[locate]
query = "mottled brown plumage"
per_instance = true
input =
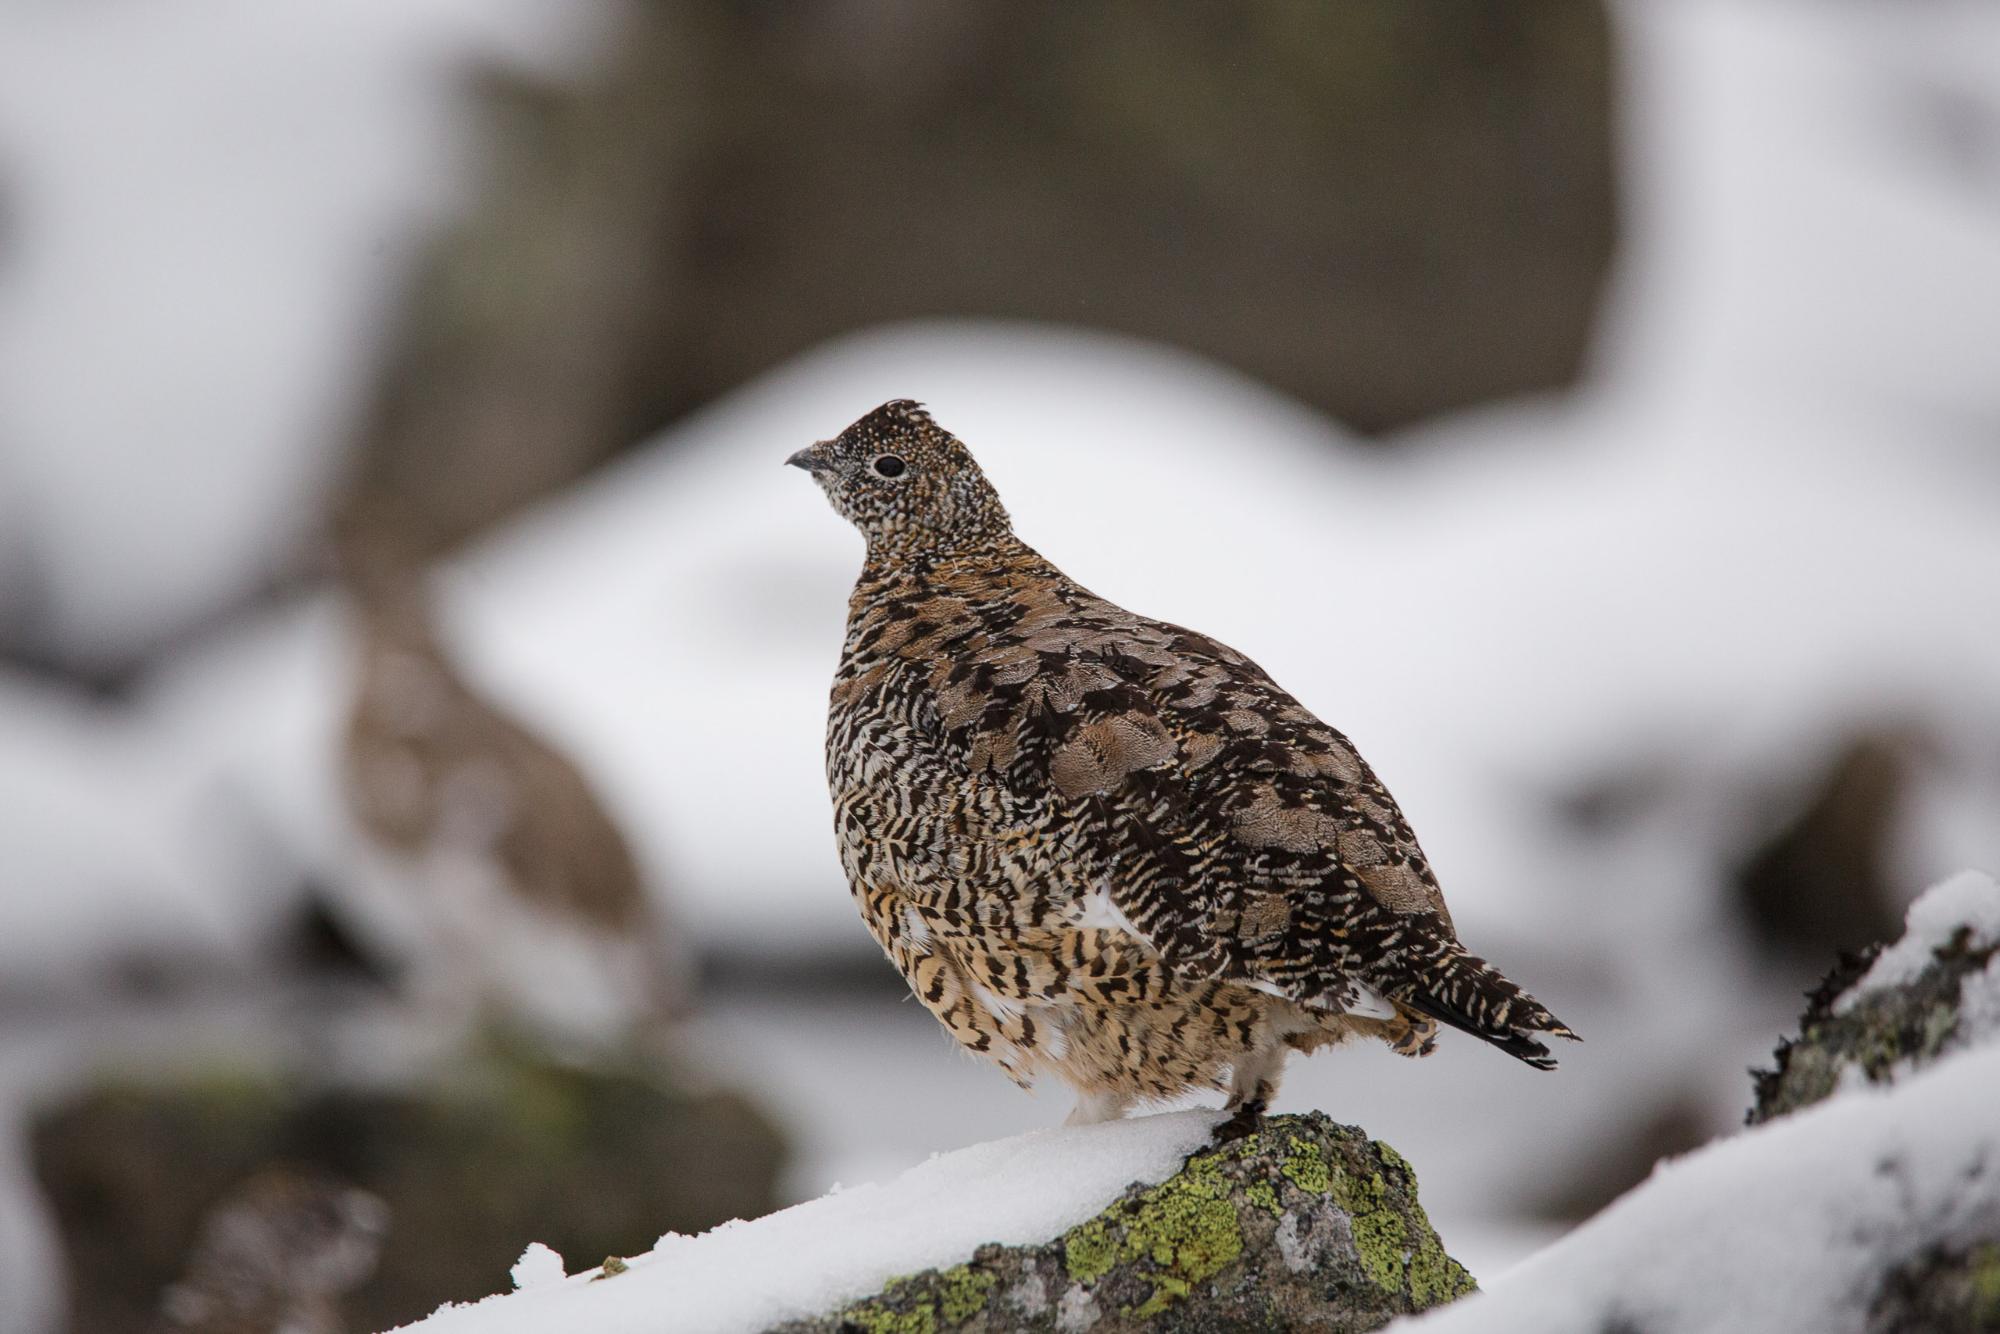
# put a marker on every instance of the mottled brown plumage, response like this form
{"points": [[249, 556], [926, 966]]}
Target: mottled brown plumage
{"points": [[1100, 846]]}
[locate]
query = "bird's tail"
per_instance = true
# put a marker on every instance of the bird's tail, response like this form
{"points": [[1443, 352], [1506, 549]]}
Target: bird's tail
{"points": [[1463, 990]]}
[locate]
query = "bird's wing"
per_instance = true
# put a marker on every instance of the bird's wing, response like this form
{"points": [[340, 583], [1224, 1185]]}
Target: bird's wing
{"points": [[1211, 788], [1239, 834]]}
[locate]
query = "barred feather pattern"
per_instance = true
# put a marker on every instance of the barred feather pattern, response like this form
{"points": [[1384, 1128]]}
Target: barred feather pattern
{"points": [[1103, 847]]}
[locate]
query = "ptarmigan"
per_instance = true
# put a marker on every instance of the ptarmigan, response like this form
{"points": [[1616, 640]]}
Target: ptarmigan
{"points": [[1102, 847], [486, 866], [276, 1255]]}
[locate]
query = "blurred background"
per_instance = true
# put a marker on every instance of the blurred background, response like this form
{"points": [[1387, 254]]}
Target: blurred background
{"points": [[413, 658]]}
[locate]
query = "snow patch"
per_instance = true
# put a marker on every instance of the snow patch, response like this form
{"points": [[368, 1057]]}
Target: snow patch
{"points": [[537, 1266], [1969, 901]]}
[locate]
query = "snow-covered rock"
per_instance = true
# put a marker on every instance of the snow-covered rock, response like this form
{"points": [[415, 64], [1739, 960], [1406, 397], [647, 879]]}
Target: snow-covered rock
{"points": [[1865, 1200], [1791, 1227], [1889, 1011], [1091, 1228], [816, 1256]]}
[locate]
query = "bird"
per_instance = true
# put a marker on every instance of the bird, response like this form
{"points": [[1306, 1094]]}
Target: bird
{"points": [[484, 864], [1104, 848], [275, 1255]]}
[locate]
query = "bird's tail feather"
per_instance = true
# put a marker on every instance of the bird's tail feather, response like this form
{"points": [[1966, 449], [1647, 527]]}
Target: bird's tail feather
{"points": [[1463, 990]]}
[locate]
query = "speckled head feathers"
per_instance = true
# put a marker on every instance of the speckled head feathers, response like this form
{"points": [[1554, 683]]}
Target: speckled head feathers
{"points": [[905, 482]]}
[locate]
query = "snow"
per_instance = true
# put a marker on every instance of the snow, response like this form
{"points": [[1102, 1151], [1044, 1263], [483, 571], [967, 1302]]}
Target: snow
{"points": [[1968, 901], [1809, 213], [1787, 1227], [210, 208], [538, 1267], [86, 839], [814, 1257]]}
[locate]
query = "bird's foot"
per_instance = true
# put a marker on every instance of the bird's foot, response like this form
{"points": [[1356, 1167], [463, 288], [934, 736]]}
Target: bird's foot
{"points": [[1246, 1120]]}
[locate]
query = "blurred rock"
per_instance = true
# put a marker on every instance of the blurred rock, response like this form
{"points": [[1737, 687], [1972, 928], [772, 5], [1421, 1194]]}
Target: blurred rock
{"points": [[1308, 1224], [1821, 884], [1386, 210], [471, 1166]]}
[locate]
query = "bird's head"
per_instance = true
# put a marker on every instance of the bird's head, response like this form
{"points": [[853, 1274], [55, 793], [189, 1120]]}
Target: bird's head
{"points": [[905, 482]]}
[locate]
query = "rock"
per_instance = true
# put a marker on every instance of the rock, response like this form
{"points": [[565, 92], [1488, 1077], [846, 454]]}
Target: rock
{"points": [[473, 1165], [1386, 210], [1943, 1292], [1858, 1025], [1307, 1224], [1822, 881], [1879, 1020]]}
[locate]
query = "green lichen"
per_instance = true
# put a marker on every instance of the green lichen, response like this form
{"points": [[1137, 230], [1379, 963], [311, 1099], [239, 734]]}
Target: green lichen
{"points": [[1265, 1196], [1089, 1251], [924, 1303], [1434, 1276], [1381, 1237], [1305, 1167], [962, 1291], [875, 1318], [1180, 1232], [1383, 1242], [1984, 1264], [1355, 1194]]}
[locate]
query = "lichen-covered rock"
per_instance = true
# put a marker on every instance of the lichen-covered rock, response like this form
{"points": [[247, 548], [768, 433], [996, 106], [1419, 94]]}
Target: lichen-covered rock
{"points": [[1307, 1224], [1878, 1016], [1944, 1292], [1874, 1019], [475, 1162]]}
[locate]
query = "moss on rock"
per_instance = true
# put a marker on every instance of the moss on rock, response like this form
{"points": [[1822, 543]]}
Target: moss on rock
{"points": [[1309, 1223]]}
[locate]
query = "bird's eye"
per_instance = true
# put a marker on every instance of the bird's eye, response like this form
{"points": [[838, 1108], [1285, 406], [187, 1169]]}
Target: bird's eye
{"points": [[889, 465]]}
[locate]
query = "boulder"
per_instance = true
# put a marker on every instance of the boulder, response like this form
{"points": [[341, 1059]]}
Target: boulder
{"points": [[1306, 1224]]}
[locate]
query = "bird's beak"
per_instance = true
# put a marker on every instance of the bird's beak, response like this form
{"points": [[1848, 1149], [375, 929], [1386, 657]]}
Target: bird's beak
{"points": [[808, 459]]}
